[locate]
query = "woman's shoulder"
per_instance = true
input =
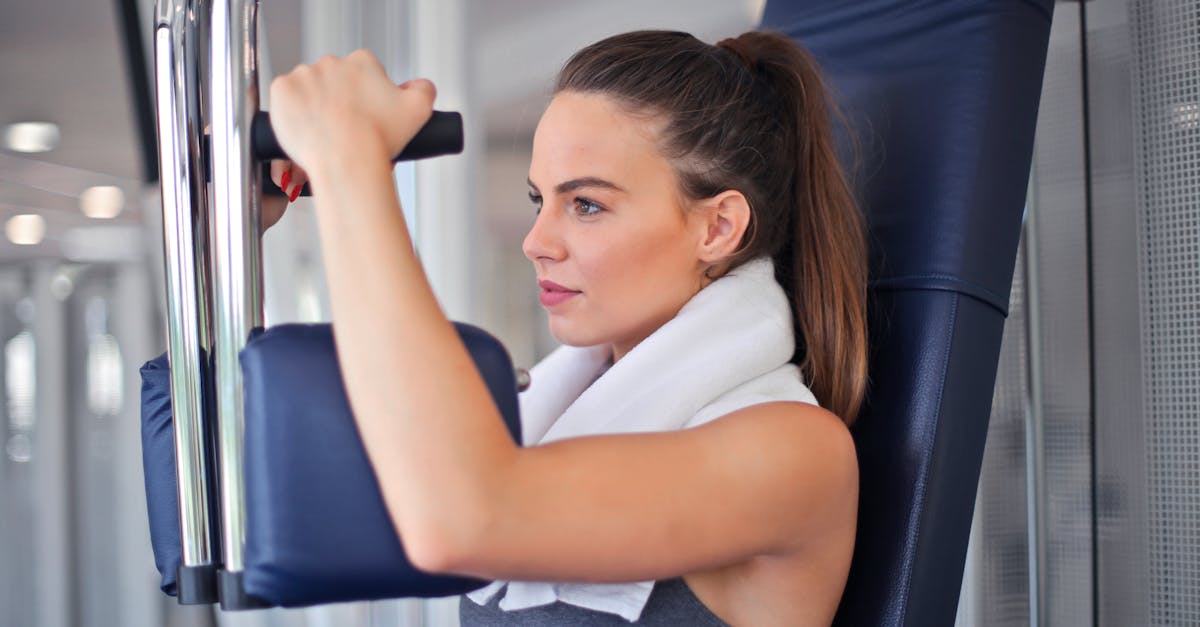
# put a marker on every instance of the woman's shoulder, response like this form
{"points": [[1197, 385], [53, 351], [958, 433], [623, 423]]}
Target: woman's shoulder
{"points": [[810, 448], [792, 418]]}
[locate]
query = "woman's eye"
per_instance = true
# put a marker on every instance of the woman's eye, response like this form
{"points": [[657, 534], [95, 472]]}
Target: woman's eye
{"points": [[536, 199], [585, 207]]}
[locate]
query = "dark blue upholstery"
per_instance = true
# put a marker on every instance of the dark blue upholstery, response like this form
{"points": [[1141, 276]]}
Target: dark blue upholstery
{"points": [[158, 469], [158, 466], [943, 97], [317, 530]]}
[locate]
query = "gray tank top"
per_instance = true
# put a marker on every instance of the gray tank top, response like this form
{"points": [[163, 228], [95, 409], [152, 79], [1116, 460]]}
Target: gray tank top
{"points": [[671, 603]]}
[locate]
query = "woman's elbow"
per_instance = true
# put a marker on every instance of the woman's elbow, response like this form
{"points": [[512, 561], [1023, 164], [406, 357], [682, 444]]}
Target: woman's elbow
{"points": [[434, 552], [450, 542]]}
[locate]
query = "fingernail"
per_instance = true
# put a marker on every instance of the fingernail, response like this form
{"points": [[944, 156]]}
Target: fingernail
{"points": [[295, 194], [283, 183]]}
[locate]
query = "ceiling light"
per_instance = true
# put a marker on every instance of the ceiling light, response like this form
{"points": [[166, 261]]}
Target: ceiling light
{"points": [[26, 229], [102, 201], [32, 136]]}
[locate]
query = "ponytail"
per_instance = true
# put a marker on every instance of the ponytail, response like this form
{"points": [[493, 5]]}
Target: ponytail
{"points": [[753, 114], [823, 268]]}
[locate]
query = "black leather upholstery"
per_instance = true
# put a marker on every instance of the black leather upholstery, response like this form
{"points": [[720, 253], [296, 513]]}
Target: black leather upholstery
{"points": [[943, 97]]}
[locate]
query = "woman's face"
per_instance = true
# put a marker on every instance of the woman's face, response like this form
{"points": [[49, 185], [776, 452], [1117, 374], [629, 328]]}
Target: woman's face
{"points": [[615, 248]]}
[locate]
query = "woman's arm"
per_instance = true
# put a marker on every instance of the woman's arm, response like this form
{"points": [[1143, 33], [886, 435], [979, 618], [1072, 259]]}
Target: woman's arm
{"points": [[462, 496]]}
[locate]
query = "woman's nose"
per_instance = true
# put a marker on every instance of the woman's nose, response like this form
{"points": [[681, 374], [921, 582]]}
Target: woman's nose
{"points": [[543, 241]]}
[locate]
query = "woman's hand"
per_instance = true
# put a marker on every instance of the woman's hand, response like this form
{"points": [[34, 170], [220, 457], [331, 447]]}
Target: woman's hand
{"points": [[291, 179], [340, 110]]}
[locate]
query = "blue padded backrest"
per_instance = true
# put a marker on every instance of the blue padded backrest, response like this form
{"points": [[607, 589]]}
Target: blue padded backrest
{"points": [[943, 96]]}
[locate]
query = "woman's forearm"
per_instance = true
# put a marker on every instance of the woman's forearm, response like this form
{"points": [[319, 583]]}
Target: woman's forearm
{"points": [[426, 418]]}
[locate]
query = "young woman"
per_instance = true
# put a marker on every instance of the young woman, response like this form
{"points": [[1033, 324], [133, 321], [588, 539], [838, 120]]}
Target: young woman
{"points": [[702, 260]]}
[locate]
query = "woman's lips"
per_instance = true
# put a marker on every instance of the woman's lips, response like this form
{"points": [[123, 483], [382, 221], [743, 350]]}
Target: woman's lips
{"points": [[554, 294]]}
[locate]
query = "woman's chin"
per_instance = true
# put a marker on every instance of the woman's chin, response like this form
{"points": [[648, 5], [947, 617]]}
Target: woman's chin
{"points": [[570, 335]]}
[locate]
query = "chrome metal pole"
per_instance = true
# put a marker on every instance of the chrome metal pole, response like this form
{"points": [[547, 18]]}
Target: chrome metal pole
{"points": [[1035, 422], [236, 259], [188, 338]]}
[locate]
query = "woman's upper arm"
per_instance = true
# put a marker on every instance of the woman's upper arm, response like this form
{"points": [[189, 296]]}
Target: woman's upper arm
{"points": [[646, 506]]}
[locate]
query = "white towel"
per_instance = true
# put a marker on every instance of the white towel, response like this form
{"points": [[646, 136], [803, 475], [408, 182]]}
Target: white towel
{"points": [[727, 349]]}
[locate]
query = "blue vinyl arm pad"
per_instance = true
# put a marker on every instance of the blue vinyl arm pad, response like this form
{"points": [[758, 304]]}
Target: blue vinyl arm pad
{"points": [[158, 465], [317, 529]]}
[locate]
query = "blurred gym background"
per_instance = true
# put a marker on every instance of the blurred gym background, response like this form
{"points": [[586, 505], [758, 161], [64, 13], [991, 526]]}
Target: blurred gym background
{"points": [[1089, 502]]}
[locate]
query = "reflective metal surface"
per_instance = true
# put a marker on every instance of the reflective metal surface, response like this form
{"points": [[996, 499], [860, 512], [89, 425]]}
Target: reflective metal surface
{"points": [[1035, 427], [236, 245], [184, 226]]}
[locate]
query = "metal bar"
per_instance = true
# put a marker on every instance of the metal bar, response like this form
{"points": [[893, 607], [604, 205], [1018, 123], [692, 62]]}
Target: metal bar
{"points": [[1035, 450], [236, 255], [187, 316]]}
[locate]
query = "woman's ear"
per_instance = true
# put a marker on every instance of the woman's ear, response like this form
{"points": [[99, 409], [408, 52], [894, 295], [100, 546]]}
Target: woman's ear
{"points": [[725, 219]]}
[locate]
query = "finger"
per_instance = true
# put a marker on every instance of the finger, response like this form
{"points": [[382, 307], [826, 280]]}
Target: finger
{"points": [[299, 176], [422, 86], [366, 58], [415, 99], [280, 167]]}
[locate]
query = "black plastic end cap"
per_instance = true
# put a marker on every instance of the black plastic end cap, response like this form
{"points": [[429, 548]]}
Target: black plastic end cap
{"points": [[197, 585], [233, 593]]}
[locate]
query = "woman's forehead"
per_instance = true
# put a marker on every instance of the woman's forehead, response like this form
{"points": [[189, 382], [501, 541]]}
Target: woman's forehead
{"points": [[590, 135]]}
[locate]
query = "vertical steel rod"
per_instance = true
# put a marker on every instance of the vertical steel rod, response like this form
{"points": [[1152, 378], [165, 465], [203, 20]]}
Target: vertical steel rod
{"points": [[237, 258], [184, 226], [1035, 425]]}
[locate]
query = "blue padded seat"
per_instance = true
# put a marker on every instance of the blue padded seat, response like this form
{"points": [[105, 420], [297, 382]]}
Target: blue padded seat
{"points": [[943, 97]]}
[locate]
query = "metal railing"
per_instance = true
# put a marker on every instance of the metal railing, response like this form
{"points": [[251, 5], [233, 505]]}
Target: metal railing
{"points": [[178, 49], [213, 141]]}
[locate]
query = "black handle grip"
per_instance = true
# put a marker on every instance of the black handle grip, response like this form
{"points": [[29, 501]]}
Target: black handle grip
{"points": [[441, 135]]}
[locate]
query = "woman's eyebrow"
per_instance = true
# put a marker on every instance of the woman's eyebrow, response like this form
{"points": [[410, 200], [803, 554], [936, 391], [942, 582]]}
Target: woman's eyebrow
{"points": [[567, 187]]}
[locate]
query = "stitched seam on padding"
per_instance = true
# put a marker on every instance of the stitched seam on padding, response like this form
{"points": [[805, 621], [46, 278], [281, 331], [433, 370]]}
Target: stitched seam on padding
{"points": [[940, 288], [884, 282]]}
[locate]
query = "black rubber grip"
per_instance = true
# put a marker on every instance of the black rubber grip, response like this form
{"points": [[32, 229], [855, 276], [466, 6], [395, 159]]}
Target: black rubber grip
{"points": [[441, 135]]}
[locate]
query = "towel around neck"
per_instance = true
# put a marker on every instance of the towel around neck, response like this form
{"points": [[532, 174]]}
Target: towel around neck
{"points": [[727, 349]]}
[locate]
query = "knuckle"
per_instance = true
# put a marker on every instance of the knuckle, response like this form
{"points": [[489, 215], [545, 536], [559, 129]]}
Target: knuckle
{"points": [[280, 86], [299, 74], [428, 88]]}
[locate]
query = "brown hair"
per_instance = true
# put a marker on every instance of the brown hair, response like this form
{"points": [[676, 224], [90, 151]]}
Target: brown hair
{"points": [[752, 114]]}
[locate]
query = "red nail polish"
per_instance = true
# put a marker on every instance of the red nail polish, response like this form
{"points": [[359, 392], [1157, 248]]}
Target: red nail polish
{"points": [[295, 194], [283, 183]]}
